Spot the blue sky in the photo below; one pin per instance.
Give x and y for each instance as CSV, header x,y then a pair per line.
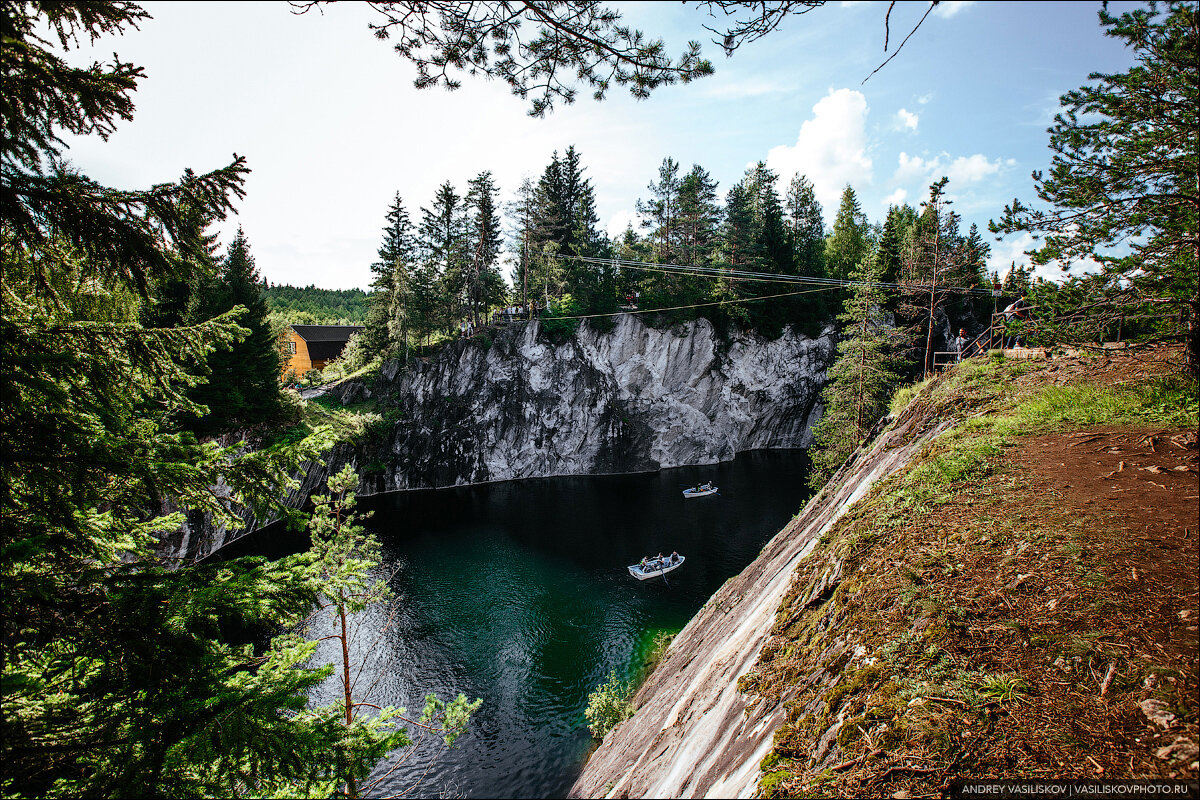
x,y
332,128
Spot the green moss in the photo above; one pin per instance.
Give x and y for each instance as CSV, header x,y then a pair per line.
x,y
770,784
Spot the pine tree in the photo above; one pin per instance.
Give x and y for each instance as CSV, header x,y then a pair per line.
x,y
861,380
242,388
396,253
344,558
523,210
121,676
660,213
1122,181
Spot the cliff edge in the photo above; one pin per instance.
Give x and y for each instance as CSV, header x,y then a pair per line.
x,y
1001,584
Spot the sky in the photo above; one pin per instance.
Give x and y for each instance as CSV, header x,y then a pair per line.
x,y
333,128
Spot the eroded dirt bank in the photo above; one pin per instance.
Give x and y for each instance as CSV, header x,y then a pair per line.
x,y
1013,594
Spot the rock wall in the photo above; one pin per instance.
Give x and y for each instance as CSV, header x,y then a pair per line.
x,y
632,399
517,406
694,734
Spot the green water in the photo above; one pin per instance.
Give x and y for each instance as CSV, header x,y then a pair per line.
x,y
518,593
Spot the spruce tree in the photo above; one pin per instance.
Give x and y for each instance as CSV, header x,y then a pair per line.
x,y
442,241
396,253
242,387
861,379
699,217
121,676
847,245
485,286
806,227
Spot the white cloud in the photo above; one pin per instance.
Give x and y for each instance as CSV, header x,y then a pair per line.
x,y
906,119
949,8
1010,251
925,98
962,170
895,198
831,149
971,169
1007,252
913,167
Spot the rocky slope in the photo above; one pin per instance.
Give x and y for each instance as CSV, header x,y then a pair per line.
x,y
695,734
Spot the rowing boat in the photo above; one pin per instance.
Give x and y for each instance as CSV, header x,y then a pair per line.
x,y
655,567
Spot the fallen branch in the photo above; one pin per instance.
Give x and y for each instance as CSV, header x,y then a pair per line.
x,y
1108,676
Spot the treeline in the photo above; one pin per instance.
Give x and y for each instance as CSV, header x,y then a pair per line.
x,y
309,305
442,270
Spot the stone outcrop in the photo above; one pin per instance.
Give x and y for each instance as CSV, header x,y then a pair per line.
x,y
629,400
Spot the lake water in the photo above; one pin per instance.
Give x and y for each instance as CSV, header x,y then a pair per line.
x,y
518,593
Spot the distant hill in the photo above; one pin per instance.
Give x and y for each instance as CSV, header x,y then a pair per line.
x,y
309,305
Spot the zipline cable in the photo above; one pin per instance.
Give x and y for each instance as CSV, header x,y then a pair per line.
x,y
695,305
747,275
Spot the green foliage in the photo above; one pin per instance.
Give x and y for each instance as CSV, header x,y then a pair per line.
x,y
1122,181
608,706
540,52
309,305
861,380
121,675
557,321
242,385
342,564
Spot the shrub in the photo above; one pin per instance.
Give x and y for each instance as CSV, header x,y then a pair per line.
x,y
608,706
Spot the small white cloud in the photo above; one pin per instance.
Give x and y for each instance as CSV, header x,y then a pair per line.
x,y
925,98
949,8
831,149
906,119
913,167
895,198
970,169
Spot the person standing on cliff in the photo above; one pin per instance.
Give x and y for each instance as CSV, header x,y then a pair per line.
x,y
961,343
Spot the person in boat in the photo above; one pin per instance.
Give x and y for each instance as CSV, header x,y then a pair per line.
x,y
642,565
674,557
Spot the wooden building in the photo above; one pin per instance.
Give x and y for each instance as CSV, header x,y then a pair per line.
x,y
314,346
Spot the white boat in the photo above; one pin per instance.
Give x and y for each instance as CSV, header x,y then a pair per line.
x,y
703,490
655,567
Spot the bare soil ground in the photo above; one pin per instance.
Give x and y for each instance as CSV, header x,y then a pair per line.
x,y
1039,622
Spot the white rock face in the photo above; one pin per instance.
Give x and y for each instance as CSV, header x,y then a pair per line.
x,y
632,399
